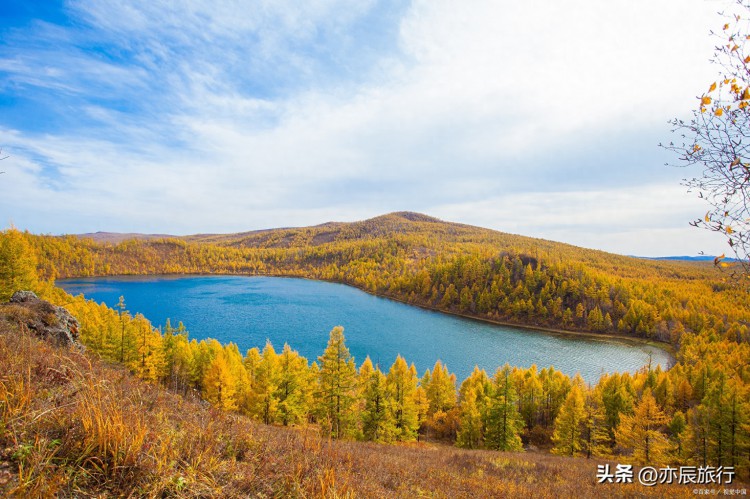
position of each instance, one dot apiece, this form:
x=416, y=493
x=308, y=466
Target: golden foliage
x=419, y=261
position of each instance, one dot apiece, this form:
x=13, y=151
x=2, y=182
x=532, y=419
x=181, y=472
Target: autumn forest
x=697, y=412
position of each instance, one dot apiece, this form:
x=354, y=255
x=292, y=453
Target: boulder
x=44, y=319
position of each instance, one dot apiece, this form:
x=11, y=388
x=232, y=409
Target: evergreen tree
x=251, y=362
x=401, y=383
x=529, y=390
x=264, y=405
x=423, y=408
x=364, y=373
x=292, y=390
x=594, y=435
x=676, y=434
x=643, y=432
x=363, y=378
x=567, y=430
x=148, y=363
x=124, y=318
x=18, y=264
x=555, y=386
x=178, y=375
x=218, y=384
x=440, y=387
x=204, y=352
x=718, y=429
x=595, y=320
x=377, y=416
x=502, y=421
x=696, y=439
x=168, y=345
x=337, y=386
x=240, y=377
x=617, y=394
x=472, y=403
x=737, y=418
x=471, y=430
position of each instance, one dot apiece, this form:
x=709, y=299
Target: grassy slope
x=75, y=426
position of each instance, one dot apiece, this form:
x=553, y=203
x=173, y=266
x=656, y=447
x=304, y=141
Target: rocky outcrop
x=44, y=319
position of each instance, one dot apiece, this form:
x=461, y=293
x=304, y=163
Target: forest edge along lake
x=250, y=310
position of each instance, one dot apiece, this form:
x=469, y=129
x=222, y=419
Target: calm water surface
x=249, y=310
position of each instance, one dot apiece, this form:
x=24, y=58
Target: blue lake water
x=249, y=310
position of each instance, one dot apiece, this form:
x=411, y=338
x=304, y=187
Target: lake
x=249, y=310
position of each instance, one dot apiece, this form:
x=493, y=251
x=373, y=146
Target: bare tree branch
x=717, y=139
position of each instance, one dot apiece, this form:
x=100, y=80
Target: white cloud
x=650, y=221
x=545, y=116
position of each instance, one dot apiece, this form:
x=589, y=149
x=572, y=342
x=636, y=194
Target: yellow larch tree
x=567, y=430
x=219, y=385
x=18, y=264
x=401, y=385
x=643, y=432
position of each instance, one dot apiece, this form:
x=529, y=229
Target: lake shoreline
x=605, y=337
x=618, y=338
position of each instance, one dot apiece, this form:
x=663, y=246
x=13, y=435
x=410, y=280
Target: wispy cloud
x=649, y=217
x=197, y=116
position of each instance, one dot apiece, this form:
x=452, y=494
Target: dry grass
x=73, y=426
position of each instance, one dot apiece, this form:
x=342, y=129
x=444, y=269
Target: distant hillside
x=430, y=233
x=403, y=222
x=283, y=237
x=427, y=235
x=383, y=226
x=118, y=237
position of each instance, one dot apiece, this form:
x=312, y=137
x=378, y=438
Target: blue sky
x=192, y=116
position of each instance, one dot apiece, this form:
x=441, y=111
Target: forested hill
x=425, y=235
x=451, y=267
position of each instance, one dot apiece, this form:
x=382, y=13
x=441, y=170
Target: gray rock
x=46, y=320
x=24, y=297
